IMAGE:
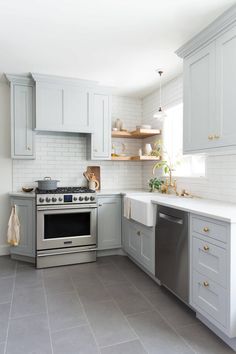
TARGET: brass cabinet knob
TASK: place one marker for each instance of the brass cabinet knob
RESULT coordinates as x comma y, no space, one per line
206,229
216,136
28,148
206,284
210,137
95,150
206,248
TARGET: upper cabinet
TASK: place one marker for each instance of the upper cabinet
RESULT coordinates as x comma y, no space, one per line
209,93
101,138
63,105
22,117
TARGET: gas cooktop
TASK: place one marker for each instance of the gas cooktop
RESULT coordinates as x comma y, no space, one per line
65,190
66,196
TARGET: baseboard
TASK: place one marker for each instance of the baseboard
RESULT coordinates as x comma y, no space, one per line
230,341
113,252
4,250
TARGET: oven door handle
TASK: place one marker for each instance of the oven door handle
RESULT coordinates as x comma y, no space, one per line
66,207
65,252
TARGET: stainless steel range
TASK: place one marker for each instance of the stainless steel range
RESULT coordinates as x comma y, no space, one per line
66,226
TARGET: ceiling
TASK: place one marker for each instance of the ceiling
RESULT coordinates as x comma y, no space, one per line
119,43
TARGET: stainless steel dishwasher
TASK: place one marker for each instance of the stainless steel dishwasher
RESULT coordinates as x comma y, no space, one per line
171,243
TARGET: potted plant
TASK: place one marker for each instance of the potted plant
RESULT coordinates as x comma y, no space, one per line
155,184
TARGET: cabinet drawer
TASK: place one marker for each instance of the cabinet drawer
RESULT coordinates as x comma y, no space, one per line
209,228
209,298
210,260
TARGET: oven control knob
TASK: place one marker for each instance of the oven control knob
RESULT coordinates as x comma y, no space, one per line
92,198
75,198
48,200
41,200
54,200
60,199
81,199
86,199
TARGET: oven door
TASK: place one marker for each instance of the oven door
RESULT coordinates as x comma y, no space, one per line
70,226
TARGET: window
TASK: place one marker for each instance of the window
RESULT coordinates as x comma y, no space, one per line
184,166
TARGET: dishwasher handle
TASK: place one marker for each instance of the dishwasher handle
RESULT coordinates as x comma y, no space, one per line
171,218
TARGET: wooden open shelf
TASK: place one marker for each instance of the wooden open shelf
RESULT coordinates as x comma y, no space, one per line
136,134
135,158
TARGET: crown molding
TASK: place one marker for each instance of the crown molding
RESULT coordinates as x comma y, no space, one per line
60,79
211,32
20,79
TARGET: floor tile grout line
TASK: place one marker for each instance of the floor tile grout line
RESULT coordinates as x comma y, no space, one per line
164,319
143,345
9,316
71,327
47,313
85,314
156,310
124,342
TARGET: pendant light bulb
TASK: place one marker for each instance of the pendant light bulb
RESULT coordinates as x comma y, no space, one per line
160,114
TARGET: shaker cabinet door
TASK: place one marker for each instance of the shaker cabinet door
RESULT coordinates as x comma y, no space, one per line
199,99
25,208
109,222
101,138
22,139
77,110
49,107
225,88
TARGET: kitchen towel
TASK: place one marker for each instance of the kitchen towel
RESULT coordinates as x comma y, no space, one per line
127,207
13,233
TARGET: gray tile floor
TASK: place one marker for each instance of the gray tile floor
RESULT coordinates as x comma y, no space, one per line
107,307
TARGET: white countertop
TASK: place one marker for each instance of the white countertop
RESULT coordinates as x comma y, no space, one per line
218,210
22,194
122,191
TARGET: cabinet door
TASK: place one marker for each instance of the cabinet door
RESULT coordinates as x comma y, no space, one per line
199,100
22,139
49,107
109,222
225,88
147,249
134,241
25,208
101,139
77,110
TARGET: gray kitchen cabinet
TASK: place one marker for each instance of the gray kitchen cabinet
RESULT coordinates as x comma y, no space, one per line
63,105
139,243
109,222
25,207
101,138
22,117
209,87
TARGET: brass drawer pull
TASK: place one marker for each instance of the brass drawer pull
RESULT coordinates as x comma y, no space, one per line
206,229
206,284
206,248
210,137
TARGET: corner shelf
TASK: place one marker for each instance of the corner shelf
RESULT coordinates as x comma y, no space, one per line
135,158
136,134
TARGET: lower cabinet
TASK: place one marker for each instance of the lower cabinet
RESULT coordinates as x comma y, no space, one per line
210,285
25,208
139,243
109,222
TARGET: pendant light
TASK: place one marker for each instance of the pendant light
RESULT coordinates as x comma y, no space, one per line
160,114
